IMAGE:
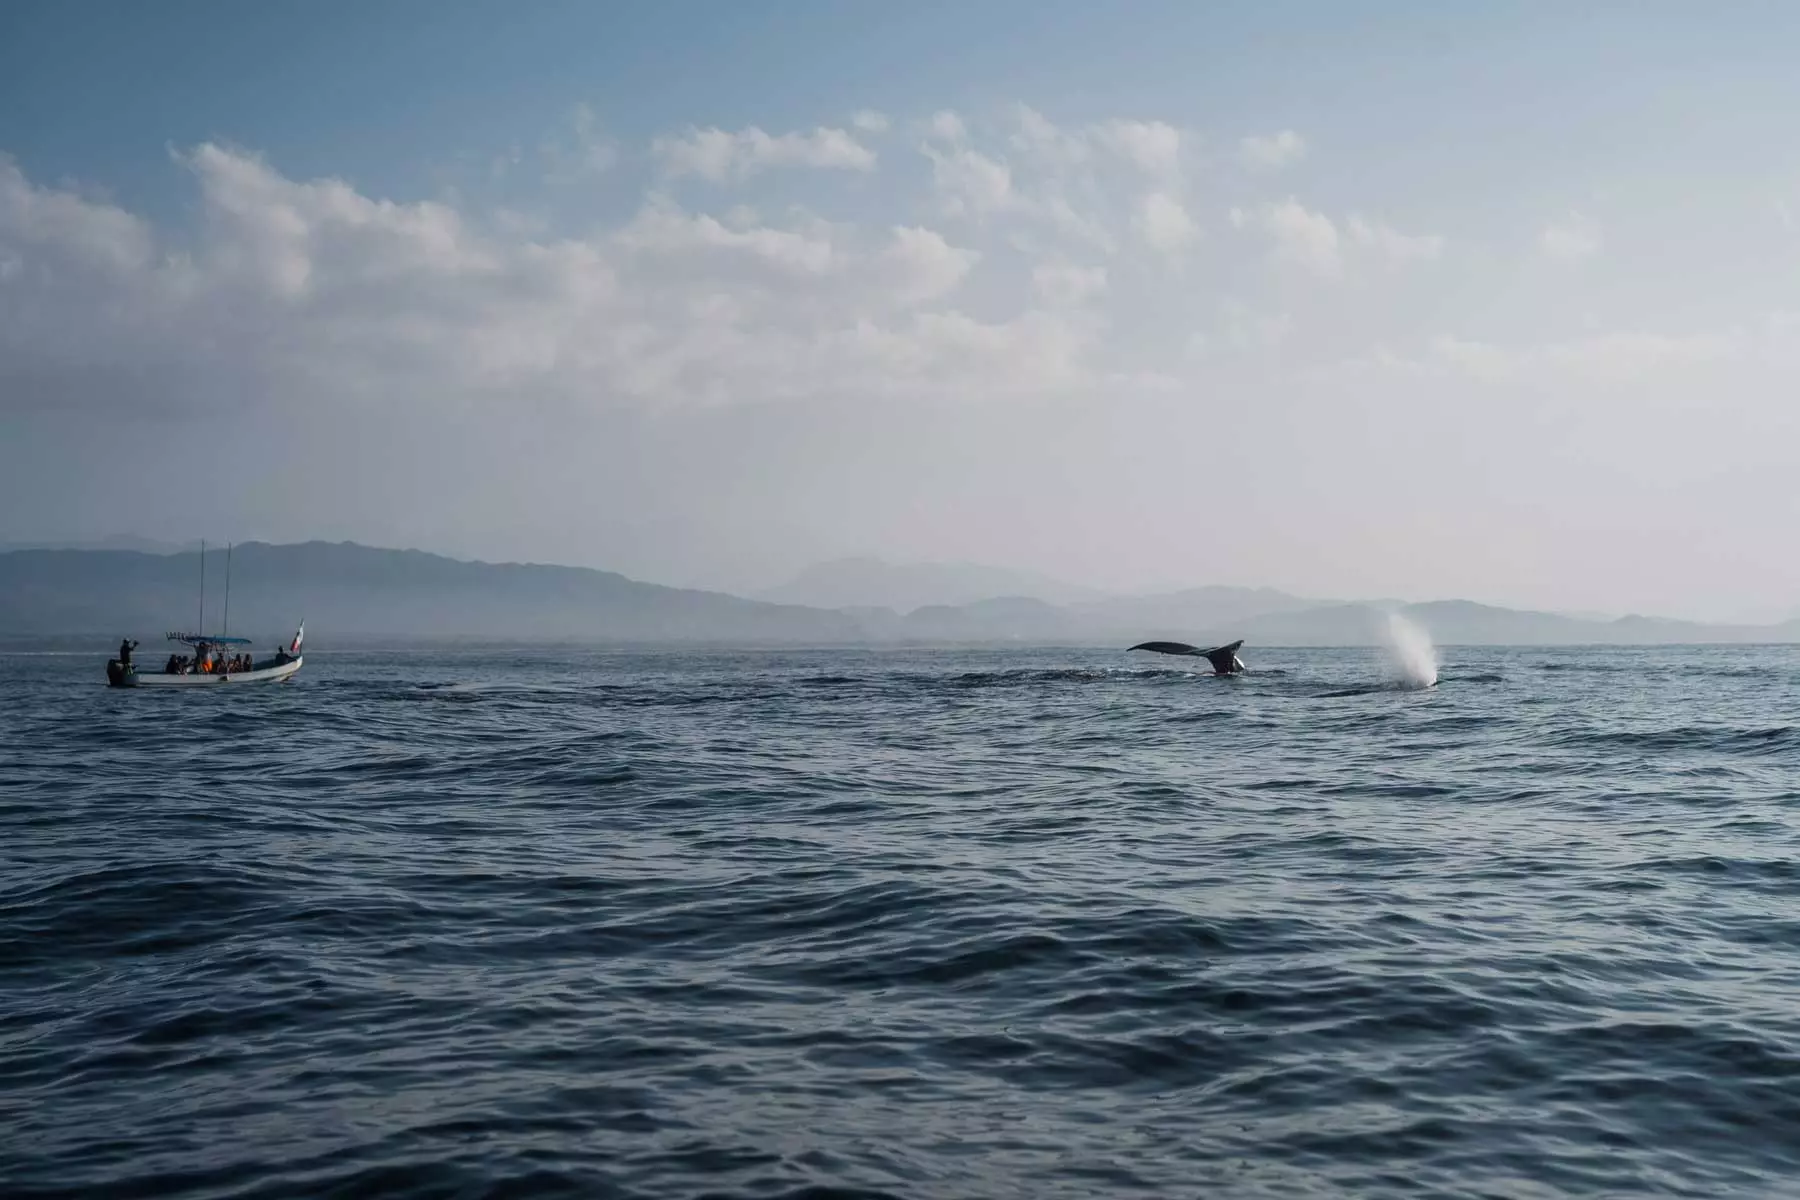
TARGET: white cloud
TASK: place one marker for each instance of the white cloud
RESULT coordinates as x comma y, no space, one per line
947,126
1066,285
918,265
1573,237
1301,238
1273,150
1164,224
1392,244
663,229
870,121
1152,147
1068,223
96,235
1035,351
969,182
716,155
1315,243
1039,138
318,289
1062,189
310,294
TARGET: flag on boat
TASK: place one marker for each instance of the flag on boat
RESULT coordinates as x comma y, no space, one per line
299,636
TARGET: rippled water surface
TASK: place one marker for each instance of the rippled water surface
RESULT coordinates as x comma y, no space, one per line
1035,923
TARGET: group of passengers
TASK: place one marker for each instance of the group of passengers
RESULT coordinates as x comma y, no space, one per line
208,664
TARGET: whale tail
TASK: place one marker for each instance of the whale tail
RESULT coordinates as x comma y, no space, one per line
1224,659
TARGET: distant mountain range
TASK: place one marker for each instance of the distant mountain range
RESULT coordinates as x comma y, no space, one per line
344,589
872,583
353,589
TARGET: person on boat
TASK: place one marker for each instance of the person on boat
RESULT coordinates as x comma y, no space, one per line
126,646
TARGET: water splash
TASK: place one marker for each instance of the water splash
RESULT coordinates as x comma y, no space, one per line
1411,652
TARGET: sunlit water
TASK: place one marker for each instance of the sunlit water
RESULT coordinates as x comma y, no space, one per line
1003,924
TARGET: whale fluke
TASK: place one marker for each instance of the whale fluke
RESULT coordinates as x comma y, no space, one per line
1224,659
1166,647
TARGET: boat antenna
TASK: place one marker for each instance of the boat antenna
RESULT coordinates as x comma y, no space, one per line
226,632
200,629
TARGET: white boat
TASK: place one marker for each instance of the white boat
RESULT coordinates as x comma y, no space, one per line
212,664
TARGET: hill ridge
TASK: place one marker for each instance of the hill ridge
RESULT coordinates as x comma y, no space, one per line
350,587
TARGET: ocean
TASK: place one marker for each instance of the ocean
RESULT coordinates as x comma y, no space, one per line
1035,923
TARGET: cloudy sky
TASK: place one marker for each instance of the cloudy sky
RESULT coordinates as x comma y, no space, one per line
1412,300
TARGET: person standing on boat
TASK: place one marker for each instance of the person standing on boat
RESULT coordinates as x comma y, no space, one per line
126,646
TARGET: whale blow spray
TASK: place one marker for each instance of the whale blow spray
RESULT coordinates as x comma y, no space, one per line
1411,651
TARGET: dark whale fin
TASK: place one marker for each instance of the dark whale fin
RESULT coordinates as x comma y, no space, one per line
1166,647
1224,659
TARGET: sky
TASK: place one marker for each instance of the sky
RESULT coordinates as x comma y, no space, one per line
1408,300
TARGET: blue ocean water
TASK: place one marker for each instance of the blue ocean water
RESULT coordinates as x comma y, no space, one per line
1032,923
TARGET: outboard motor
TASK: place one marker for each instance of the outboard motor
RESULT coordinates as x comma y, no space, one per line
115,673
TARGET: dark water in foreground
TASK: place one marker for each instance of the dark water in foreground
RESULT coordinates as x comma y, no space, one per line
1026,924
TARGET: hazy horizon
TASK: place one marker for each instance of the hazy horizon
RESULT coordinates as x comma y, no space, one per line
890,583
1415,302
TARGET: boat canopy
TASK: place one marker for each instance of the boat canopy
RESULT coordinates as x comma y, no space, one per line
199,639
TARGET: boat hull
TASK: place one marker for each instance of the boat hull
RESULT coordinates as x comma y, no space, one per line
115,677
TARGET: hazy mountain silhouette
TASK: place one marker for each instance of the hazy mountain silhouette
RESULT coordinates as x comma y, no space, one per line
1002,618
1193,608
344,589
873,583
1463,622
347,588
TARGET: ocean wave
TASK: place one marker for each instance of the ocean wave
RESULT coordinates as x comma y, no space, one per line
928,924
